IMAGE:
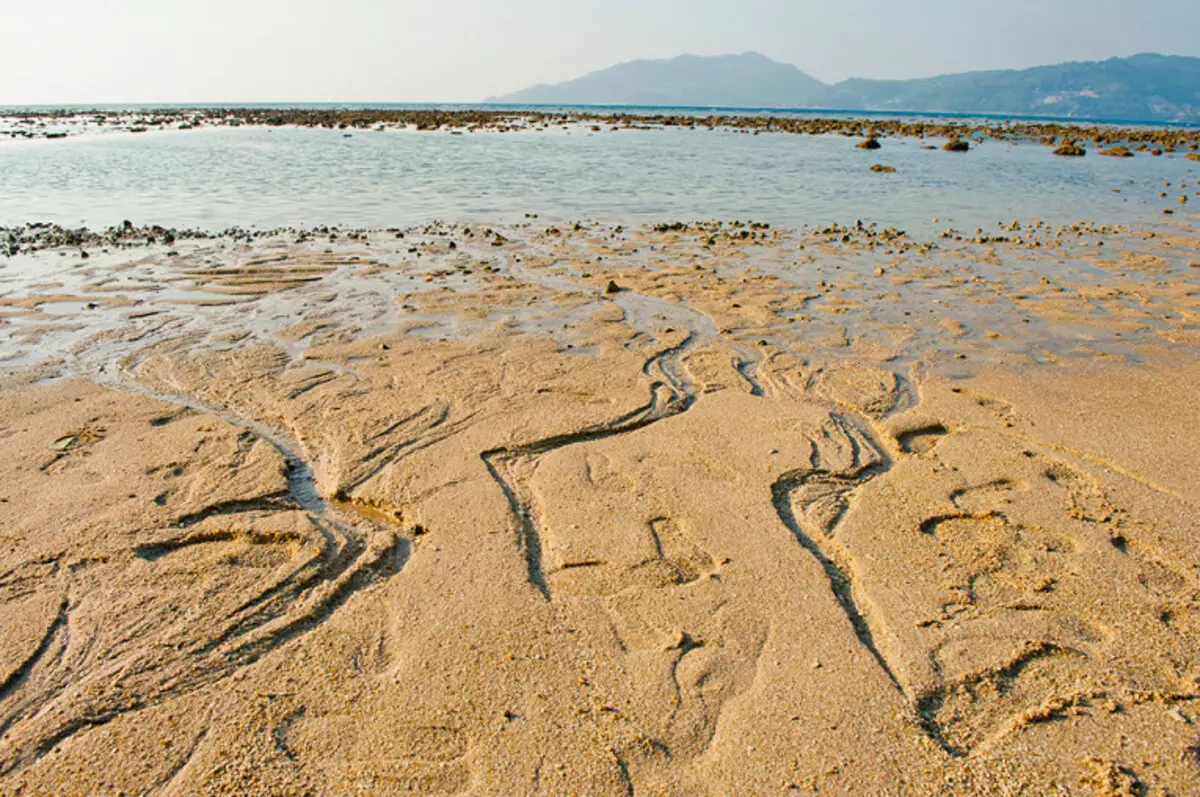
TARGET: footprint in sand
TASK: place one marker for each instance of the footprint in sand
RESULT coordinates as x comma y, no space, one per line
994,588
380,753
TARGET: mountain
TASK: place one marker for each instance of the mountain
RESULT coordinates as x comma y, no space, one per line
748,80
1145,87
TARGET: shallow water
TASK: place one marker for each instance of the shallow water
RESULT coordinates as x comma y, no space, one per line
220,178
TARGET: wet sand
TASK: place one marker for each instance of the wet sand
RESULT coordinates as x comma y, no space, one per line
709,508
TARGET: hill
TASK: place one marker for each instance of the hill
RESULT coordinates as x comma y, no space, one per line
1147,87
747,80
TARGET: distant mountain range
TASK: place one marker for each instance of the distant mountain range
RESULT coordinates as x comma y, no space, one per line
1147,87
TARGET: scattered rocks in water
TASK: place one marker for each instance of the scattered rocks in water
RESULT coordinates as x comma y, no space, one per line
880,168
38,236
1117,152
957,133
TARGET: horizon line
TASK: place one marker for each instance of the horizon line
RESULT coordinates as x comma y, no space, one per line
517,106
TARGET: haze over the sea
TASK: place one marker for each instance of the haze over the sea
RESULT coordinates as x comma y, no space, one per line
126,51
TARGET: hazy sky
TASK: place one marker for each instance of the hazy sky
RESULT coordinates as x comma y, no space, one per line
84,51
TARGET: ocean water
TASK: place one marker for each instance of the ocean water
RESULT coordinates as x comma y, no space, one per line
216,178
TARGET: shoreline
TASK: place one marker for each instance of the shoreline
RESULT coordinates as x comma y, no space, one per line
1021,287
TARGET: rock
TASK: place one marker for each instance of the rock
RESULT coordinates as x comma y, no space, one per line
879,167
1193,156
957,145
870,143
1117,152
1070,151
612,287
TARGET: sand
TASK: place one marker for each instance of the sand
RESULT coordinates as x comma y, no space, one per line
826,510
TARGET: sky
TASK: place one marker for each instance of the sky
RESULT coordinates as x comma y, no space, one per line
130,51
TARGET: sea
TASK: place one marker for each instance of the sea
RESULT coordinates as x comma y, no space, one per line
216,178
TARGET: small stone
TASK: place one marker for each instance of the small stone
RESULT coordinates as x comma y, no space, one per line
612,287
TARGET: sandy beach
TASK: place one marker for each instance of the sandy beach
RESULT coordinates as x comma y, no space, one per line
530,509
